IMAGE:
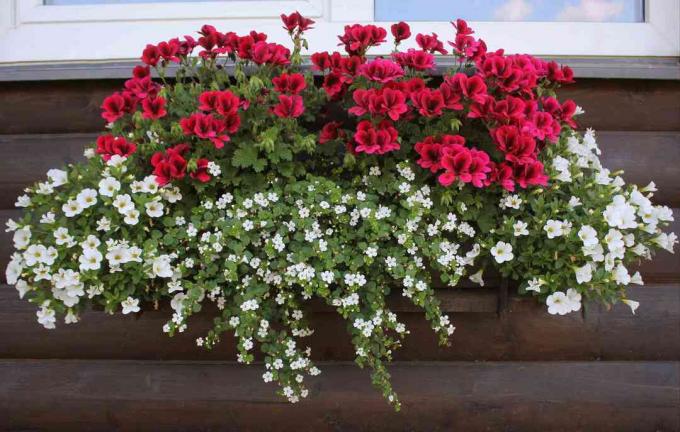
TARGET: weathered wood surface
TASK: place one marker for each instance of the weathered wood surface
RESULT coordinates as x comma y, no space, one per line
174,396
644,156
73,106
523,330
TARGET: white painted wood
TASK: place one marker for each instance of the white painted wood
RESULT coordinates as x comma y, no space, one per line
118,32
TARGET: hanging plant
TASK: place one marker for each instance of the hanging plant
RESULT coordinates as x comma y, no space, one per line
257,185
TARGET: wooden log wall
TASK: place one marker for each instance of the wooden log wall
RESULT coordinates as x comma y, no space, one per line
511,365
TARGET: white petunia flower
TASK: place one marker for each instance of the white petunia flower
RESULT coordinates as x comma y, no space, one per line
574,298
131,217
558,303
632,304
161,266
103,224
22,238
588,236
123,203
584,274
520,228
535,285
620,214
108,186
46,317
23,201
502,252
130,305
47,218
72,208
554,228
87,198
90,260
57,177
477,277
574,202
154,209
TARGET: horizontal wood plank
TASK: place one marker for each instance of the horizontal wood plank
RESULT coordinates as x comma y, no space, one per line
644,156
73,106
173,396
522,331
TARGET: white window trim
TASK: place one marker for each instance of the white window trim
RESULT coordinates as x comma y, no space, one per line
33,32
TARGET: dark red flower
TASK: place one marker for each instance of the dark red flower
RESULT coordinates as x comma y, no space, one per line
154,108
321,61
452,99
361,98
375,140
415,59
289,106
113,107
381,70
401,31
530,174
205,126
472,87
295,21
140,71
223,102
170,165
518,147
151,55
430,152
109,145
289,83
201,172
169,50
502,174
430,43
334,84
142,87
391,103
429,103
331,131
466,165
358,38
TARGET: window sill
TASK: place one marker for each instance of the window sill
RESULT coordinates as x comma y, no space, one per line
658,68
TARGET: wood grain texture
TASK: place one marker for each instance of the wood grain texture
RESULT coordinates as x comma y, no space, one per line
644,156
522,331
175,396
73,106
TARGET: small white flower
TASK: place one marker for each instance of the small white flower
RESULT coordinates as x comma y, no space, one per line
117,256
554,228
477,277
161,266
72,208
574,202
57,177
390,262
130,305
535,285
87,198
123,203
588,236
46,317
108,186
90,260
214,169
131,217
520,228
371,252
154,209
103,224
632,304
574,298
22,238
558,303
584,274
36,253
89,153
502,252
47,218
23,201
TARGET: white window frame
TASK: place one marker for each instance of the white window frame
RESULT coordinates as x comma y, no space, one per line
33,32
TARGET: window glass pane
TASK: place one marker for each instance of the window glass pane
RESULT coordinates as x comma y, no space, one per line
92,2
510,10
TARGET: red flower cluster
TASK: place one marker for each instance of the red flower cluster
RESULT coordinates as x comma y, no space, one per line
109,145
373,139
458,162
170,165
358,38
296,22
208,125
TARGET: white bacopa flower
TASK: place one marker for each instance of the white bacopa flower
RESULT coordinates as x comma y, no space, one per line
502,252
72,208
584,274
371,252
154,209
554,228
588,236
632,304
108,186
390,262
123,203
161,266
130,305
87,198
558,303
214,169
57,177
89,153
22,238
520,228
103,224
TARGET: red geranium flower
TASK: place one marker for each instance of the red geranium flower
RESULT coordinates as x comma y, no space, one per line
358,38
113,107
154,108
415,59
289,106
201,172
401,31
170,165
109,145
430,43
376,140
151,55
428,102
295,21
331,131
381,70
530,174
289,83
205,126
